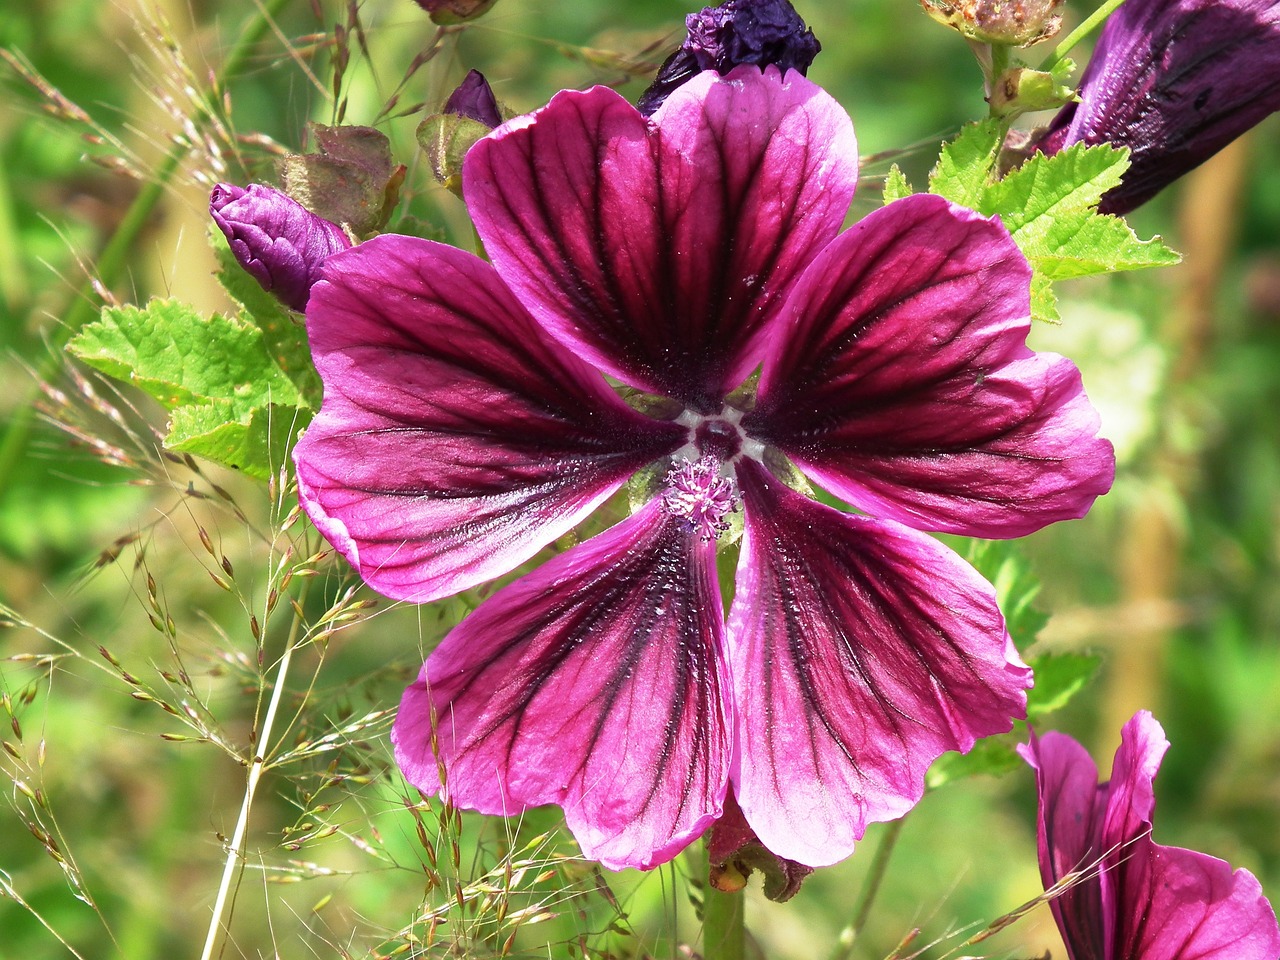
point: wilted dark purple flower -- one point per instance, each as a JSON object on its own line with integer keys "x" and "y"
{"x": 474, "y": 99}
{"x": 455, "y": 11}
{"x": 1134, "y": 899}
{"x": 1175, "y": 81}
{"x": 466, "y": 425}
{"x": 280, "y": 242}
{"x": 761, "y": 32}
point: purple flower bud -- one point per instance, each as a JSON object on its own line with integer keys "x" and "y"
{"x": 762, "y": 32}
{"x": 280, "y": 242}
{"x": 474, "y": 99}
{"x": 1175, "y": 81}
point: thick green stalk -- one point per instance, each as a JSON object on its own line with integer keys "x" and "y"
{"x": 724, "y": 932}
{"x": 111, "y": 264}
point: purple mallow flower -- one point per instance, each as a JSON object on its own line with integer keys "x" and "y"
{"x": 466, "y": 425}
{"x": 1175, "y": 81}
{"x": 760, "y": 32}
{"x": 281, "y": 243}
{"x": 1130, "y": 898}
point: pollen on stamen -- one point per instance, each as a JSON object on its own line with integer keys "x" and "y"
{"x": 697, "y": 494}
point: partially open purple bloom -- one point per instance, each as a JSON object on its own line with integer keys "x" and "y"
{"x": 466, "y": 425}
{"x": 1136, "y": 900}
{"x": 761, "y": 32}
{"x": 474, "y": 98}
{"x": 1175, "y": 81}
{"x": 281, "y": 243}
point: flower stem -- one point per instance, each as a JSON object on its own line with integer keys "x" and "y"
{"x": 1090, "y": 24}
{"x": 871, "y": 886}
{"x": 235, "y": 846}
{"x": 114, "y": 257}
{"x": 724, "y": 932}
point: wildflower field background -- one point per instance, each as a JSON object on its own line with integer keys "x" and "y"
{"x": 151, "y": 604}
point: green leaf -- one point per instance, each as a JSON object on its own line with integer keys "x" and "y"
{"x": 1050, "y": 205}
{"x": 230, "y": 401}
{"x": 1044, "y": 302}
{"x": 179, "y": 357}
{"x": 994, "y": 756}
{"x": 257, "y": 447}
{"x": 1059, "y": 677}
{"x": 963, "y": 173}
{"x": 283, "y": 332}
{"x": 895, "y": 185}
{"x": 1017, "y": 587}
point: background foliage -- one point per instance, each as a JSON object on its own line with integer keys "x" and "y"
{"x": 148, "y": 601}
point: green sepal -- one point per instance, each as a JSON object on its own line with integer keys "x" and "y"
{"x": 445, "y": 138}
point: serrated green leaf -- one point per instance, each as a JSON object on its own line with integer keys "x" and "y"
{"x": 963, "y": 172}
{"x": 283, "y": 331}
{"x": 257, "y": 446}
{"x": 1059, "y": 677}
{"x": 180, "y": 357}
{"x": 1044, "y": 302}
{"x": 1050, "y": 205}
{"x": 895, "y": 185}
{"x": 1070, "y": 181}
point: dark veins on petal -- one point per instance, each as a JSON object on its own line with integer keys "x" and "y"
{"x": 614, "y": 630}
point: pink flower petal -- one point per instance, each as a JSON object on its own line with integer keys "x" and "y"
{"x": 1071, "y": 810}
{"x": 594, "y": 683}
{"x": 861, "y": 650}
{"x": 904, "y": 385}
{"x": 661, "y": 250}
{"x": 456, "y": 439}
{"x": 1139, "y": 900}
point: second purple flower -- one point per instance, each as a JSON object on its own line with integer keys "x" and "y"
{"x": 466, "y": 425}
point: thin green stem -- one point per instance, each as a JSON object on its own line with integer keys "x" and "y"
{"x": 257, "y": 766}
{"x": 871, "y": 886}
{"x": 1090, "y": 24}
{"x": 111, "y": 263}
{"x": 724, "y": 931}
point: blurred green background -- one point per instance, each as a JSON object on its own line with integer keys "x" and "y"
{"x": 1172, "y": 577}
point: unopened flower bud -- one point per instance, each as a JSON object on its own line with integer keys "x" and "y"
{"x": 1010, "y": 22}
{"x": 474, "y": 98}
{"x": 281, "y": 243}
{"x": 762, "y": 32}
{"x": 455, "y": 11}
{"x": 1175, "y": 81}
{"x": 469, "y": 114}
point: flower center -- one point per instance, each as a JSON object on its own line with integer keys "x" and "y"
{"x": 697, "y": 494}
{"x": 717, "y": 438}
